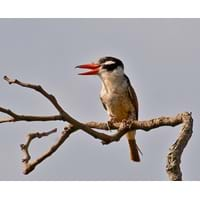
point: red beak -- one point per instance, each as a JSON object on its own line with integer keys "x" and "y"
{"x": 94, "y": 69}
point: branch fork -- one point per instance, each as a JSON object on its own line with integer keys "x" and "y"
{"x": 175, "y": 152}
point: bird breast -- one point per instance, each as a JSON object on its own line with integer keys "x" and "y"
{"x": 117, "y": 102}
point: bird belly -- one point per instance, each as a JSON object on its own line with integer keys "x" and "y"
{"x": 119, "y": 107}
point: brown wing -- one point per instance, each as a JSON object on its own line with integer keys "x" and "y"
{"x": 103, "y": 103}
{"x": 133, "y": 97}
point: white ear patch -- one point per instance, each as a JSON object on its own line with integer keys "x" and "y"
{"x": 110, "y": 62}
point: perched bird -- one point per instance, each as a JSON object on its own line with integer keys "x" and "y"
{"x": 117, "y": 95}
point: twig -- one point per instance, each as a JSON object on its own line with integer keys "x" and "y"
{"x": 30, "y": 137}
{"x": 30, "y": 165}
{"x": 16, "y": 117}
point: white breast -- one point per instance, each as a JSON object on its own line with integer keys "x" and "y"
{"x": 115, "y": 96}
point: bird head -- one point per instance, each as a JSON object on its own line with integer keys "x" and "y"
{"x": 105, "y": 66}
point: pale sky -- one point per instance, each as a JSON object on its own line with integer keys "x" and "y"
{"x": 161, "y": 58}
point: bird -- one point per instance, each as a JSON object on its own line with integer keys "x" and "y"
{"x": 117, "y": 95}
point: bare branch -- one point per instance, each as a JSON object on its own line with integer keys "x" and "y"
{"x": 123, "y": 128}
{"x": 8, "y": 111}
{"x": 173, "y": 158}
{"x": 7, "y": 119}
{"x": 16, "y": 117}
{"x": 30, "y": 137}
{"x": 64, "y": 115}
{"x": 140, "y": 125}
{"x": 176, "y": 150}
{"x": 185, "y": 135}
{"x": 30, "y": 165}
{"x": 37, "y": 88}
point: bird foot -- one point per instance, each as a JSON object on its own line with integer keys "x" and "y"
{"x": 110, "y": 124}
{"x": 126, "y": 123}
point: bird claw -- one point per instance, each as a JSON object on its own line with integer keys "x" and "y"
{"x": 109, "y": 125}
{"x": 126, "y": 123}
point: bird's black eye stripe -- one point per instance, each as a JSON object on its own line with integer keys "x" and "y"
{"x": 110, "y": 67}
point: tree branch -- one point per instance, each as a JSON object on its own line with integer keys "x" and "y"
{"x": 176, "y": 150}
{"x": 16, "y": 117}
{"x": 173, "y": 158}
{"x": 30, "y": 165}
{"x": 30, "y": 137}
{"x": 64, "y": 115}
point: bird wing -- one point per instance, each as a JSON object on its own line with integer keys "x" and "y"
{"x": 133, "y": 97}
{"x": 104, "y": 105}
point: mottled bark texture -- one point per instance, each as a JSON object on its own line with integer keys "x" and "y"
{"x": 173, "y": 158}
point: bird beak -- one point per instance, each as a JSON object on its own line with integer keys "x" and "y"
{"x": 94, "y": 69}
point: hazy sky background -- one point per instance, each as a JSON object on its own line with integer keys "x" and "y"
{"x": 161, "y": 58}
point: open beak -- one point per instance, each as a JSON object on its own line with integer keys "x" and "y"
{"x": 94, "y": 69}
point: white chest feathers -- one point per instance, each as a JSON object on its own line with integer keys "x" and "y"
{"x": 115, "y": 96}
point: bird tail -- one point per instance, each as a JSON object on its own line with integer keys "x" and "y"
{"x": 134, "y": 150}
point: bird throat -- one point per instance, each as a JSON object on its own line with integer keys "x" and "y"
{"x": 111, "y": 83}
